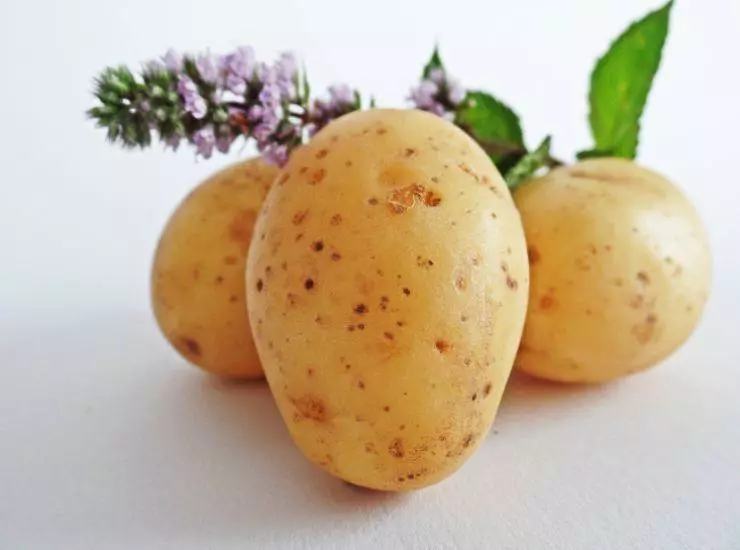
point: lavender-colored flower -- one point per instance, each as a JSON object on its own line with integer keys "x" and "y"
{"x": 207, "y": 67}
{"x": 255, "y": 113}
{"x": 341, "y": 94}
{"x": 193, "y": 101}
{"x": 275, "y": 154}
{"x": 173, "y": 142}
{"x": 286, "y": 70}
{"x": 423, "y": 95}
{"x": 204, "y": 140}
{"x": 264, "y": 130}
{"x": 224, "y": 139}
{"x": 266, "y": 73}
{"x": 270, "y": 95}
{"x": 172, "y": 61}
{"x": 438, "y": 94}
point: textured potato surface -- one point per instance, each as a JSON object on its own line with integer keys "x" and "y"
{"x": 620, "y": 267}
{"x": 387, "y": 287}
{"x": 198, "y": 293}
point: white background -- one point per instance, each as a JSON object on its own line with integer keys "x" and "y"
{"x": 108, "y": 440}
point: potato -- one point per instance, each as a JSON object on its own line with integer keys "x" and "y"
{"x": 387, "y": 286}
{"x": 620, "y": 268}
{"x": 197, "y": 292}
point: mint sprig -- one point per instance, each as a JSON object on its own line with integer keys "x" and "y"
{"x": 621, "y": 82}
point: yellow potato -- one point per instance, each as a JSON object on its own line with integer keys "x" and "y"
{"x": 387, "y": 292}
{"x": 198, "y": 293}
{"x": 620, "y": 268}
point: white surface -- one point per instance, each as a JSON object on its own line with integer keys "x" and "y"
{"x": 107, "y": 440}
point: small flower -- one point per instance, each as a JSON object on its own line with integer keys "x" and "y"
{"x": 204, "y": 141}
{"x": 341, "y": 94}
{"x": 172, "y": 61}
{"x": 193, "y": 101}
{"x": 270, "y": 95}
{"x": 224, "y": 139}
{"x": 255, "y": 113}
{"x": 207, "y": 67}
{"x": 173, "y": 142}
{"x": 275, "y": 154}
{"x": 438, "y": 94}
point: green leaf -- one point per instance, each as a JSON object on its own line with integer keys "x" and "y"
{"x": 594, "y": 153}
{"x": 435, "y": 62}
{"x": 621, "y": 82}
{"x": 306, "y": 95}
{"x": 493, "y": 124}
{"x": 529, "y": 164}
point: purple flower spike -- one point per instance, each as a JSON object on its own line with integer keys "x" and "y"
{"x": 204, "y": 141}
{"x": 193, "y": 101}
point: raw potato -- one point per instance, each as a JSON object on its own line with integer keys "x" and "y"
{"x": 388, "y": 290}
{"x": 620, "y": 268}
{"x": 198, "y": 292}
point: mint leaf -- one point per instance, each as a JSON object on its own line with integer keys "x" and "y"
{"x": 621, "y": 82}
{"x": 494, "y": 125}
{"x": 594, "y": 153}
{"x": 435, "y": 62}
{"x": 529, "y": 164}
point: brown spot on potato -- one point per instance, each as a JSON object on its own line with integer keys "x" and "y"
{"x": 190, "y": 346}
{"x": 546, "y": 302}
{"x": 468, "y": 440}
{"x": 318, "y": 176}
{"x": 442, "y": 346}
{"x": 310, "y": 372}
{"x": 317, "y": 246}
{"x": 298, "y": 217}
{"x": 336, "y": 256}
{"x": 231, "y": 260}
{"x": 644, "y": 331}
{"x": 434, "y": 179}
{"x": 309, "y": 284}
{"x": 219, "y": 279}
{"x": 643, "y": 277}
{"x": 474, "y": 397}
{"x": 372, "y": 201}
{"x": 361, "y": 326}
{"x": 381, "y": 131}
{"x": 511, "y": 282}
{"x": 406, "y": 291}
{"x": 395, "y": 449}
{"x": 283, "y": 178}
{"x": 533, "y": 254}
{"x": 388, "y": 335}
{"x": 386, "y": 408}
{"x": 422, "y": 262}
{"x": 260, "y": 285}
{"x": 370, "y": 448}
{"x": 240, "y": 228}
{"x": 311, "y": 407}
{"x": 336, "y": 219}
{"x": 233, "y": 298}
{"x": 637, "y": 301}
{"x": 399, "y": 323}
{"x": 361, "y": 385}
{"x": 298, "y": 237}
{"x": 303, "y": 170}
{"x": 322, "y": 153}
{"x": 360, "y": 309}
{"x": 409, "y": 152}
{"x": 461, "y": 283}
{"x": 196, "y": 273}
{"x": 487, "y": 389}
{"x": 468, "y": 170}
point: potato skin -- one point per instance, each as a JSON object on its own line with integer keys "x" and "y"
{"x": 620, "y": 267}
{"x": 388, "y": 297}
{"x": 197, "y": 289}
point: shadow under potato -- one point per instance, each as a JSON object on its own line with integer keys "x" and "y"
{"x": 255, "y": 474}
